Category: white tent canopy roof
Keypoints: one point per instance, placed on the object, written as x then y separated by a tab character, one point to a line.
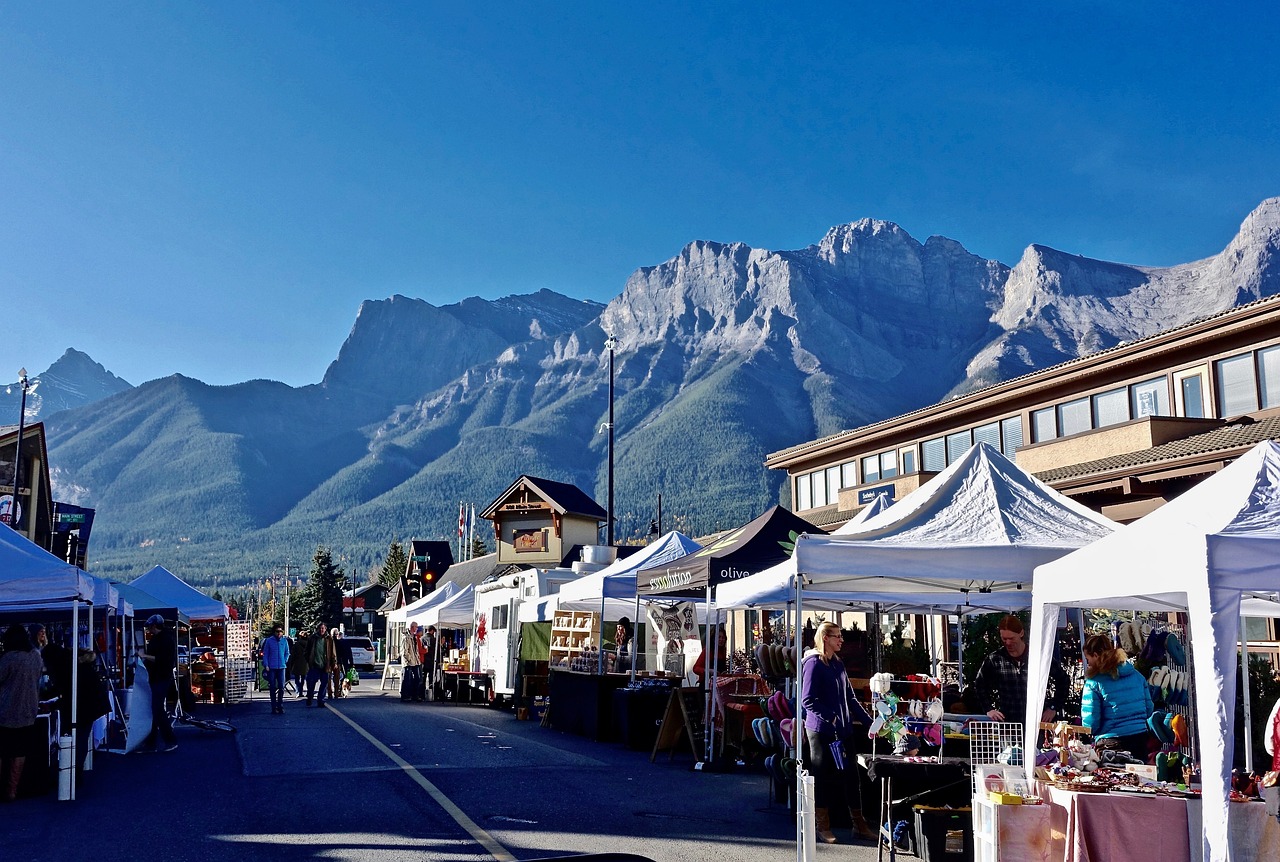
410	612
1203	553
31	577
454	612
618	579
875	507
980	526
172	590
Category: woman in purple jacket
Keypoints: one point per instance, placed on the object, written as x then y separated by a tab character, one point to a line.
830	712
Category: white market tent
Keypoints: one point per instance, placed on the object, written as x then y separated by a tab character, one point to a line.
981	526
455	612
172	590
411	612
618	579
875	507
1203	553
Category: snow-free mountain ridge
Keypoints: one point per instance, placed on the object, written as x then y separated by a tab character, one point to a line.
724	353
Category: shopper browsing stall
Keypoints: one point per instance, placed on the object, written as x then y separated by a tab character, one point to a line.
1000	688
830	712
20	670
1116	701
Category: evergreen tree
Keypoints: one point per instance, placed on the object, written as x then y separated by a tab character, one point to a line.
478	547
320	599
394	567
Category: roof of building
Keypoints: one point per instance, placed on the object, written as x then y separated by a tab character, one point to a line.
1124	346
1228	441
477	571
567	499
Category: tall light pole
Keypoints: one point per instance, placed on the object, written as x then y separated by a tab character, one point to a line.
16	511
612	344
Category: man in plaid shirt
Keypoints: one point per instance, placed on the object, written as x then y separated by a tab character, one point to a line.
1000	688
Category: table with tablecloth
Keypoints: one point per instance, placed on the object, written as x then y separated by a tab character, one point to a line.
1099	827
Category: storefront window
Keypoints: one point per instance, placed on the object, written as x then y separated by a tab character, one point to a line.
933	455
870	469
833	484
1150	398
848	474
819	489
1011	435
1073	417
908	459
1044	425
888	465
989	434
804	497
1269	376
1111	408
957	445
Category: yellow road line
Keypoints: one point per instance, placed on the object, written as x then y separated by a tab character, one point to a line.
481	837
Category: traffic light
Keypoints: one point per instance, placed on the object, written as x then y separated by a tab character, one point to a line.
428	582
412	590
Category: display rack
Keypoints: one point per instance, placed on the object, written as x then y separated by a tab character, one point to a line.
990	745
572	633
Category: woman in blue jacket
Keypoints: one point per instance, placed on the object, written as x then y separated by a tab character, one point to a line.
1116	701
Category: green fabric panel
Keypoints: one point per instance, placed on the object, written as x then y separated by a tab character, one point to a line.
535	642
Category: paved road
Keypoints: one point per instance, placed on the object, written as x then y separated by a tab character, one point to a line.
373	778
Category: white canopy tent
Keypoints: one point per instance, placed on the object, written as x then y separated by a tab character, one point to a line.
455	612
410	612
171	589
875	507
618	579
1202	553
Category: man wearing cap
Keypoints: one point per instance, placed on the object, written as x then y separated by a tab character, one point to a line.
161	661
275	658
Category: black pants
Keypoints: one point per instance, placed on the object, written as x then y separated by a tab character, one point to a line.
160	723
833	788
411	686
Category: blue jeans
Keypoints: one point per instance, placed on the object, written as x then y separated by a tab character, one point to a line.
275	682
317	675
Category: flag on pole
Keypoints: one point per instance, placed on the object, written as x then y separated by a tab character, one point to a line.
462	519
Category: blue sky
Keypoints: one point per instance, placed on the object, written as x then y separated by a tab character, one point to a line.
212	189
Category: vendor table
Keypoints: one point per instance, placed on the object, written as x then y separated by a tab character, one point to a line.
459	685
582	703
934	781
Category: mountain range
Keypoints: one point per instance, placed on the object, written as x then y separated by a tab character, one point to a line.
722	354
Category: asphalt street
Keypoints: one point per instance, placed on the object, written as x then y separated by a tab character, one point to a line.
374	778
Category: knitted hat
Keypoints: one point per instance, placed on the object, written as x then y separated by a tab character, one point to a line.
1130	637
1173	646
1178	725
1158	728
1153	652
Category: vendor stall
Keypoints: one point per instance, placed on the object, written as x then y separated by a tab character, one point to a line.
1202	553
456	680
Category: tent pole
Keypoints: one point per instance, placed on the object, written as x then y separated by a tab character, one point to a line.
75	677
1244	681
804	816
635	639
708	679
960	622
600	646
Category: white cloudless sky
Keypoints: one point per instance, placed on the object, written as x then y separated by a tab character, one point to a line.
212	189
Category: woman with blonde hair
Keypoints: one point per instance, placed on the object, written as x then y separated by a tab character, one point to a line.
1116	701
830	712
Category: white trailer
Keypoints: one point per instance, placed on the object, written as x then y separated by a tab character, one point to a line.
497	622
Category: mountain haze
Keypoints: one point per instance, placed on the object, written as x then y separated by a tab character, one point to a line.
724	353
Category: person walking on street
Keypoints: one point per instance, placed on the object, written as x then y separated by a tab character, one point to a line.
275	659
342	652
20	670
300	662
161	661
429	659
411	659
322	662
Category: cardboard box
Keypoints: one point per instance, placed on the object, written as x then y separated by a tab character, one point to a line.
1002	798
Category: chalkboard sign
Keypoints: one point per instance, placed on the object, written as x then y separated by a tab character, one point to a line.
684	720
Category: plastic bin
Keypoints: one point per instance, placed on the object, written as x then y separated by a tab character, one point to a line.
944	834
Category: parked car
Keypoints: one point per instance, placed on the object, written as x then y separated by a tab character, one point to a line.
361	652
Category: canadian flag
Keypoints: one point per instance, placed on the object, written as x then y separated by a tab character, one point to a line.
462	519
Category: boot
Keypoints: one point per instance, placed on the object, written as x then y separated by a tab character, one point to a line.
822	826
860	827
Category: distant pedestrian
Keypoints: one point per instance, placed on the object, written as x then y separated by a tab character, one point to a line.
342	652
300	662
429	659
161	660
275	660
20	671
322	662
411	660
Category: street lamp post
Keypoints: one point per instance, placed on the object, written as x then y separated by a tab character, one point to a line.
16	511
612	344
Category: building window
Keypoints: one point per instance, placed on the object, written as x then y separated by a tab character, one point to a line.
848	474
989	434
1073	417
933	455
1190	391
888	465
804	497
907	457
870	469
819	489
1111	408
1237	386
1150	398
957	445
1044	425
833	484
1269	376
1011	435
